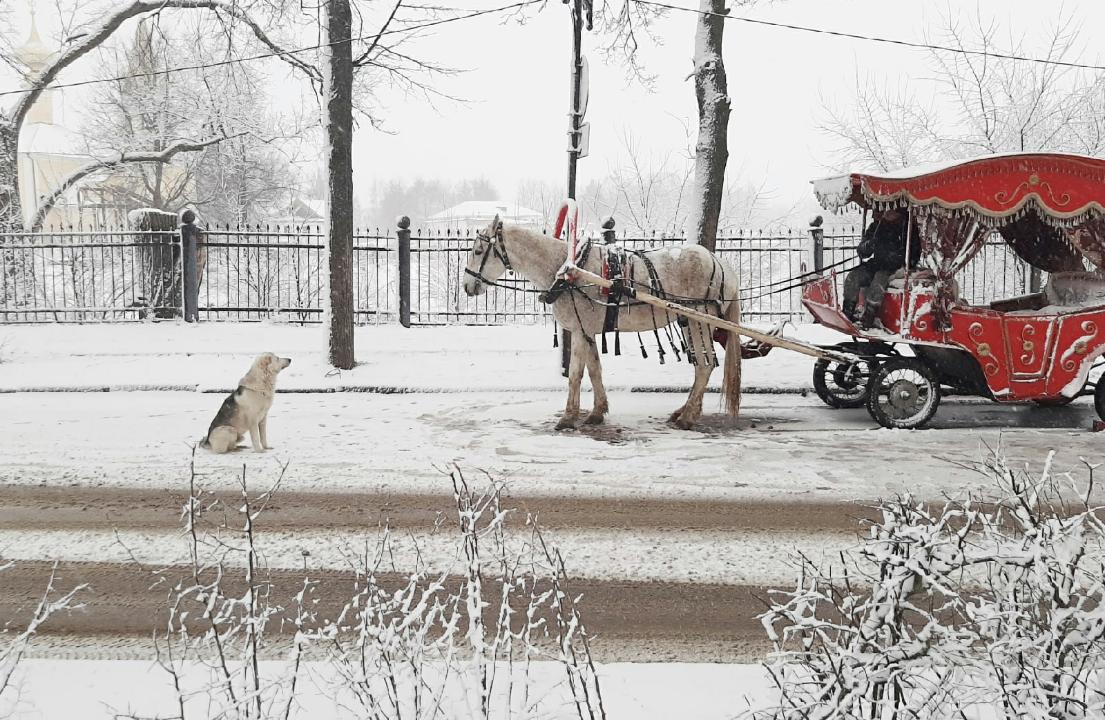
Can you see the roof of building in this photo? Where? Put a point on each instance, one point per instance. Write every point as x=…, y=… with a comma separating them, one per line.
x=475, y=210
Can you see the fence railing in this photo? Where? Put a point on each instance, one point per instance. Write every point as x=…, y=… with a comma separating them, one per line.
x=279, y=273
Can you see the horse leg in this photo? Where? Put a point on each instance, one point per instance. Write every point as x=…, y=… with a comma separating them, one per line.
x=699, y=336
x=580, y=349
x=594, y=370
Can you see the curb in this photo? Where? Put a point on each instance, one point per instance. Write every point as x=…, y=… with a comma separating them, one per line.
x=379, y=389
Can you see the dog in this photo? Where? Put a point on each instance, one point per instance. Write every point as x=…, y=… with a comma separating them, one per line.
x=247, y=408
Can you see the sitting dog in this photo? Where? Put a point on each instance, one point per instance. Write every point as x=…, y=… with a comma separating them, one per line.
x=247, y=408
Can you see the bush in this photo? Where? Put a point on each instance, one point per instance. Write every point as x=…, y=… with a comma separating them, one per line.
x=995, y=601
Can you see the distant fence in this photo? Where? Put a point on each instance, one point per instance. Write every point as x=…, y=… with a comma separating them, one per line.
x=278, y=273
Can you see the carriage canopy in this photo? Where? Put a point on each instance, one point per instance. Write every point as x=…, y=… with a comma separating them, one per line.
x=1049, y=207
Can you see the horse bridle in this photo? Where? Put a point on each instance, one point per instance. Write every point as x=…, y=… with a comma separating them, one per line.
x=495, y=245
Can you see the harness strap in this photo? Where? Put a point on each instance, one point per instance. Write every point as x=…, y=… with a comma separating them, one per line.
x=657, y=289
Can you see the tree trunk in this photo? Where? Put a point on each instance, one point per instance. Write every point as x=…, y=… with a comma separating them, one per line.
x=338, y=98
x=157, y=275
x=11, y=215
x=11, y=209
x=712, y=151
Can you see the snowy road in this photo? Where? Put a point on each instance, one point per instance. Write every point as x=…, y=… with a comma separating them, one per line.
x=782, y=446
x=671, y=534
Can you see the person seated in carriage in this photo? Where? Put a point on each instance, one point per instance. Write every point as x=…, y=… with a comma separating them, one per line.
x=882, y=251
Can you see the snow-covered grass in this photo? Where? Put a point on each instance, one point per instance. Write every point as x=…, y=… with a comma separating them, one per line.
x=181, y=356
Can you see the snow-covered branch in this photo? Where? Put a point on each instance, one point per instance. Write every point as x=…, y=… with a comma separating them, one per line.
x=93, y=38
x=993, y=601
x=126, y=158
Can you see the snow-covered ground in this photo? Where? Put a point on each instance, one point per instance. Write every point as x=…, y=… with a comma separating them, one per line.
x=782, y=447
x=181, y=356
x=103, y=689
x=785, y=448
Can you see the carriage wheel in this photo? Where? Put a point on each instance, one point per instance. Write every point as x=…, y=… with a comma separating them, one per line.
x=903, y=393
x=843, y=385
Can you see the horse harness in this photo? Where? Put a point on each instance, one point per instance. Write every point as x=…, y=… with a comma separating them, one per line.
x=622, y=292
x=496, y=246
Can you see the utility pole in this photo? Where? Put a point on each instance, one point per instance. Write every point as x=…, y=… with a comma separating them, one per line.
x=577, y=131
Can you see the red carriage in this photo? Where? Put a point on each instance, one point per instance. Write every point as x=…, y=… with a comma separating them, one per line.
x=1039, y=347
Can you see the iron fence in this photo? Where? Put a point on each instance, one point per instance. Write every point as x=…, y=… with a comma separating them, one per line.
x=253, y=273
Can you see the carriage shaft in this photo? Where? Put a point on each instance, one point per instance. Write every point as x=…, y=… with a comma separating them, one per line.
x=775, y=340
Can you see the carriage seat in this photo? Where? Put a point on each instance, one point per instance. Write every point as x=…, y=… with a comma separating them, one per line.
x=922, y=278
x=1074, y=289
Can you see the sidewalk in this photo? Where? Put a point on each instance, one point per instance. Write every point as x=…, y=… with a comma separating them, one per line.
x=210, y=357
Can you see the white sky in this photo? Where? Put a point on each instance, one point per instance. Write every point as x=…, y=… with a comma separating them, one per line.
x=514, y=123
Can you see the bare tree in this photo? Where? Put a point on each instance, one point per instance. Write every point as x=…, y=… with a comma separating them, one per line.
x=79, y=45
x=653, y=193
x=622, y=22
x=982, y=105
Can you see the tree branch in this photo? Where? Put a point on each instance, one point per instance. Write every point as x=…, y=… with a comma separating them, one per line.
x=125, y=158
x=93, y=38
x=376, y=40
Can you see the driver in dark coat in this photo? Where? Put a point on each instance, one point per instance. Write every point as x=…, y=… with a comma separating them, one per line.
x=883, y=253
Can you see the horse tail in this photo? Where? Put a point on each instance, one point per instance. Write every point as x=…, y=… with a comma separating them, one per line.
x=731, y=379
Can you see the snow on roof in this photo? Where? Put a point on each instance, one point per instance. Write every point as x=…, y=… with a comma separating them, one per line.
x=834, y=191
x=486, y=210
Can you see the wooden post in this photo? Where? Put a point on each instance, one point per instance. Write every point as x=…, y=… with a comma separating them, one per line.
x=338, y=100
x=817, y=235
x=403, y=232
x=189, y=240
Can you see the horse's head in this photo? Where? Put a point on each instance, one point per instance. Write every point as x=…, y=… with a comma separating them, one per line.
x=487, y=260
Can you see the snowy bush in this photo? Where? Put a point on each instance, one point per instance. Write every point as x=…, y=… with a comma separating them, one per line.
x=462, y=644
x=407, y=643
x=15, y=638
x=991, y=605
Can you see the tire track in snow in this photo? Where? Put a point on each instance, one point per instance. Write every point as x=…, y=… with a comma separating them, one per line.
x=36, y=507
x=652, y=620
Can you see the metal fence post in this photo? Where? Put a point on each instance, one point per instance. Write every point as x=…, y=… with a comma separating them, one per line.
x=404, y=234
x=817, y=235
x=189, y=235
x=608, y=229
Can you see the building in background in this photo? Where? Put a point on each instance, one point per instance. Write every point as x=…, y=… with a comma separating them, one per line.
x=50, y=150
x=474, y=215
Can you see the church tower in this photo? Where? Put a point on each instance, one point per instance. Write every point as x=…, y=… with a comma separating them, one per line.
x=34, y=54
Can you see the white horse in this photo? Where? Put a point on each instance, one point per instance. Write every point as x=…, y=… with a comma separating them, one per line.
x=686, y=273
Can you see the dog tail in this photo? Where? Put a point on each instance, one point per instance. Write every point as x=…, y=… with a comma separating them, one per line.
x=204, y=443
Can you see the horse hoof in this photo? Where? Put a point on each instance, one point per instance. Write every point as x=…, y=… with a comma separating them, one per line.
x=566, y=424
x=594, y=419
